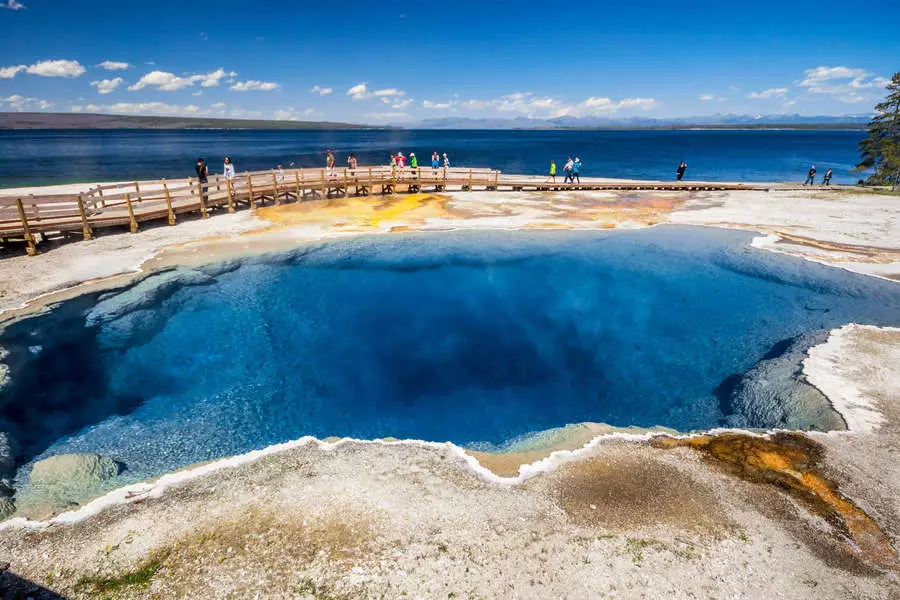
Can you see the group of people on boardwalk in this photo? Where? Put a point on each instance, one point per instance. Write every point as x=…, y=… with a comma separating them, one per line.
x=811, y=176
x=571, y=170
x=398, y=163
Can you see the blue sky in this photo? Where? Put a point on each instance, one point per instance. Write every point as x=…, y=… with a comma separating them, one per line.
x=379, y=62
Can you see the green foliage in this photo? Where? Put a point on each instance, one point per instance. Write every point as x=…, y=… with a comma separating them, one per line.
x=880, y=151
x=140, y=577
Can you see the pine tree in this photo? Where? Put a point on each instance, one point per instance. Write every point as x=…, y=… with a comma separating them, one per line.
x=880, y=151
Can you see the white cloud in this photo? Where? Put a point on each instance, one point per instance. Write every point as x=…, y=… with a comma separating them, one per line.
x=769, y=93
x=12, y=5
x=401, y=104
x=253, y=85
x=111, y=65
x=151, y=108
x=390, y=92
x=843, y=83
x=359, y=92
x=169, y=82
x=21, y=103
x=436, y=105
x=106, y=86
x=10, y=72
x=712, y=98
x=46, y=68
x=322, y=91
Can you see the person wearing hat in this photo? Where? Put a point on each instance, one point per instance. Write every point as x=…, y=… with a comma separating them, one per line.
x=446, y=164
x=413, y=163
x=576, y=170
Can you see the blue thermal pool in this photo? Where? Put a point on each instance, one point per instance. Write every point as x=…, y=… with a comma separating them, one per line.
x=475, y=338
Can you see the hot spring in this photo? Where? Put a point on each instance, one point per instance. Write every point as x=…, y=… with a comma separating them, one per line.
x=476, y=338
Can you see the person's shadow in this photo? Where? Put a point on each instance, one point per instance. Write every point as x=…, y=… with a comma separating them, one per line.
x=13, y=587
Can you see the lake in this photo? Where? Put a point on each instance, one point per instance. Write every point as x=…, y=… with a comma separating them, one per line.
x=65, y=156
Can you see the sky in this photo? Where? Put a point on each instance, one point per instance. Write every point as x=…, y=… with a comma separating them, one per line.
x=402, y=62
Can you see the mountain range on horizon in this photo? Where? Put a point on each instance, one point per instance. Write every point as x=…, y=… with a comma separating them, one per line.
x=566, y=122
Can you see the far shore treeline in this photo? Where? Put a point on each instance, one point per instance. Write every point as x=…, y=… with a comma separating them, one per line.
x=36, y=120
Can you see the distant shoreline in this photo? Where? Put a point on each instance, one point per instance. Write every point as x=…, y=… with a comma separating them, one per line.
x=73, y=121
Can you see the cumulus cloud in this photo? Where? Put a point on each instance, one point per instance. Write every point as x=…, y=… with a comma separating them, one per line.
x=322, y=91
x=843, y=83
x=106, y=86
x=292, y=115
x=111, y=65
x=769, y=93
x=385, y=116
x=359, y=92
x=712, y=98
x=253, y=85
x=390, y=92
x=528, y=104
x=151, y=108
x=169, y=82
x=22, y=103
x=12, y=5
x=45, y=68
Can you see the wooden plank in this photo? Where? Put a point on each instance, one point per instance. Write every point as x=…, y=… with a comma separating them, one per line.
x=85, y=227
x=171, y=213
x=131, y=220
x=30, y=245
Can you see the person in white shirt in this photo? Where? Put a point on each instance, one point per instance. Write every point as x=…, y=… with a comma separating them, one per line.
x=229, y=168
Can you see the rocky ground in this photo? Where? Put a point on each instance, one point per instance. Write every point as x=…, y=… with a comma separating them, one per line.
x=729, y=515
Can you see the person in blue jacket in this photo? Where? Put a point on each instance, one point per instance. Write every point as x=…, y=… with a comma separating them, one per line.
x=576, y=170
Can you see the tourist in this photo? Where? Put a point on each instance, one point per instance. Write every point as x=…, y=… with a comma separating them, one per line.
x=446, y=164
x=435, y=163
x=329, y=163
x=352, y=164
x=393, y=167
x=229, y=168
x=552, y=175
x=576, y=170
x=811, y=176
x=567, y=170
x=280, y=172
x=679, y=172
x=202, y=174
x=414, y=164
x=401, y=163
x=827, y=179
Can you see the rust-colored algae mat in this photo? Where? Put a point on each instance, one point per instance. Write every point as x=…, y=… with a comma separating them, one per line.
x=788, y=461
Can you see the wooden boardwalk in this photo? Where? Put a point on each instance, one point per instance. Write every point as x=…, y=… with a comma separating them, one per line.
x=25, y=217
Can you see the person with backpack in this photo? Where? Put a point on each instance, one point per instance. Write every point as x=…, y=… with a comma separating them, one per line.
x=576, y=170
x=202, y=175
x=827, y=179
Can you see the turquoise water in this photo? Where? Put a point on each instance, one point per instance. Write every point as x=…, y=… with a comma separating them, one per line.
x=475, y=338
x=43, y=157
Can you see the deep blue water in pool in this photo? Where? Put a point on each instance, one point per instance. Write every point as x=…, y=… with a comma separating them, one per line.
x=467, y=337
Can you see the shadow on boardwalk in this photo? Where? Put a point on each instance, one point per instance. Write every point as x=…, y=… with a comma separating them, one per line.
x=13, y=587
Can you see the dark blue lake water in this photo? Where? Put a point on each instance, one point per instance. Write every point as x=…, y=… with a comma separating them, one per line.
x=43, y=157
x=468, y=337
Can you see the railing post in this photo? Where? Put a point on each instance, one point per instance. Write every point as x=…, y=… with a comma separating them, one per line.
x=137, y=190
x=30, y=245
x=324, y=186
x=297, y=182
x=169, y=203
x=230, y=199
x=102, y=200
x=250, y=190
x=369, y=185
x=85, y=226
x=346, y=189
x=134, y=223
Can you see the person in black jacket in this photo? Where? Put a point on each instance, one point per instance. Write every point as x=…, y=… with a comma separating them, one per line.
x=679, y=172
x=827, y=179
x=202, y=173
x=811, y=176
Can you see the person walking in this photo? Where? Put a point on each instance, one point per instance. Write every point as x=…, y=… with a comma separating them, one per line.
x=401, y=163
x=827, y=179
x=202, y=177
x=446, y=164
x=679, y=172
x=552, y=175
x=811, y=176
x=414, y=164
x=567, y=170
x=352, y=164
x=329, y=163
x=279, y=171
x=576, y=170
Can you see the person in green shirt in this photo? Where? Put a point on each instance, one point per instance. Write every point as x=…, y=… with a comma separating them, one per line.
x=552, y=171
